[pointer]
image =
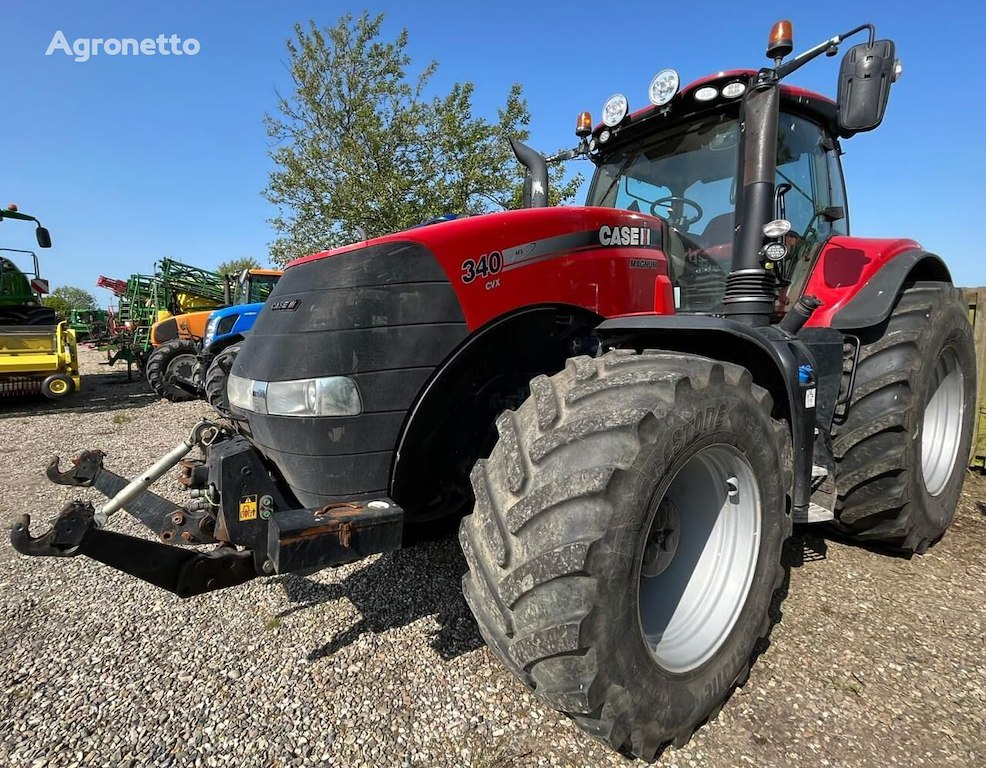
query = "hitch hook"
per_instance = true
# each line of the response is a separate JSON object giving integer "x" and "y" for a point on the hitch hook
{"x": 62, "y": 540}
{"x": 84, "y": 469}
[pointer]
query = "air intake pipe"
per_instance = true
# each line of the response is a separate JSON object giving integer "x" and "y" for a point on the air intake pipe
{"x": 749, "y": 295}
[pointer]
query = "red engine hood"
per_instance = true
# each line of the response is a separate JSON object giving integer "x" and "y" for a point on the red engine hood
{"x": 603, "y": 259}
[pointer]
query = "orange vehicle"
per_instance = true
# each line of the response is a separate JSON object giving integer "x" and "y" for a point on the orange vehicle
{"x": 177, "y": 339}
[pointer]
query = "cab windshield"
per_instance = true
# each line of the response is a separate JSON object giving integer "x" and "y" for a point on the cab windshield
{"x": 253, "y": 289}
{"x": 686, "y": 176}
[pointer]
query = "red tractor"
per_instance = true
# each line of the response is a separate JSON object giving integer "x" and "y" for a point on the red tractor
{"x": 635, "y": 400}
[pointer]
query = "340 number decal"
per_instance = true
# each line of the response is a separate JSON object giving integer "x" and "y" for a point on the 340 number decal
{"x": 486, "y": 265}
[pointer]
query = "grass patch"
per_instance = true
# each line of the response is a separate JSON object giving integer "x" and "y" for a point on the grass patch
{"x": 496, "y": 755}
{"x": 122, "y": 418}
{"x": 477, "y": 750}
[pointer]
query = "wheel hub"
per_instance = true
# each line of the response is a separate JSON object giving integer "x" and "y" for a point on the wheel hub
{"x": 698, "y": 560}
{"x": 182, "y": 367}
{"x": 662, "y": 543}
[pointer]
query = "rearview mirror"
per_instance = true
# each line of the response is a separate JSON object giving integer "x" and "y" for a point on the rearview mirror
{"x": 865, "y": 77}
{"x": 44, "y": 237}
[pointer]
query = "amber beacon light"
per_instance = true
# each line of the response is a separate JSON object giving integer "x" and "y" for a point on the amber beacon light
{"x": 781, "y": 41}
{"x": 583, "y": 126}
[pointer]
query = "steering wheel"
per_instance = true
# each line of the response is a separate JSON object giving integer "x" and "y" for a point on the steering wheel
{"x": 683, "y": 222}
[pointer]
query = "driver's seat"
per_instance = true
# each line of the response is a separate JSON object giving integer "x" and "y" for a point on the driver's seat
{"x": 719, "y": 230}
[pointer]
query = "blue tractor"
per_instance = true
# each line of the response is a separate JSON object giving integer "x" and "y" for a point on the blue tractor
{"x": 227, "y": 328}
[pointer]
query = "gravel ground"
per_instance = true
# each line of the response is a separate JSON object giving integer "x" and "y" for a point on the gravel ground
{"x": 878, "y": 661}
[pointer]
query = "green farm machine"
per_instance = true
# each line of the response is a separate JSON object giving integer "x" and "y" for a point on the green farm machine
{"x": 37, "y": 352}
{"x": 88, "y": 324}
{"x": 144, "y": 301}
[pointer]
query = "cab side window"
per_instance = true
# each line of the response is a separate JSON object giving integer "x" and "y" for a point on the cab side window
{"x": 808, "y": 163}
{"x": 803, "y": 167}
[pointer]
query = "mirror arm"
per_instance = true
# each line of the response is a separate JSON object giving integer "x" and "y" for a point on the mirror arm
{"x": 582, "y": 150}
{"x": 560, "y": 157}
{"x": 799, "y": 61}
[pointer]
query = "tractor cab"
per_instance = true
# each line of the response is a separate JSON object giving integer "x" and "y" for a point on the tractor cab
{"x": 742, "y": 169}
{"x": 253, "y": 286}
{"x": 681, "y": 164}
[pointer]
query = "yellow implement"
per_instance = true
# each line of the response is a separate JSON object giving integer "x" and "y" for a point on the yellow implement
{"x": 39, "y": 359}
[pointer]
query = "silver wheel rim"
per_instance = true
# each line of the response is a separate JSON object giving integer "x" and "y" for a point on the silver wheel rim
{"x": 182, "y": 366}
{"x": 941, "y": 431}
{"x": 699, "y": 558}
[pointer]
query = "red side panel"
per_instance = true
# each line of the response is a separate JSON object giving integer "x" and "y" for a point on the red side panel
{"x": 605, "y": 260}
{"x": 844, "y": 266}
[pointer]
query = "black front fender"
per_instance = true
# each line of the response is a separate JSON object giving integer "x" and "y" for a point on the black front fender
{"x": 773, "y": 357}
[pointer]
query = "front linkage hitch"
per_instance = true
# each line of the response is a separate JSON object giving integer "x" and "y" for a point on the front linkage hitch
{"x": 235, "y": 504}
{"x": 79, "y": 528}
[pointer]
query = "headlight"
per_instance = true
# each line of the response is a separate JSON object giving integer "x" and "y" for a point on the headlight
{"x": 776, "y": 228}
{"x": 706, "y": 93}
{"x": 774, "y": 251}
{"x": 210, "y": 331}
{"x": 615, "y": 109}
{"x": 327, "y": 396}
{"x": 663, "y": 87}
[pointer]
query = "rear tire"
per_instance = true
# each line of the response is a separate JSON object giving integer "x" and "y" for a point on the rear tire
{"x": 901, "y": 453}
{"x": 608, "y": 491}
{"x": 176, "y": 357}
{"x": 215, "y": 379}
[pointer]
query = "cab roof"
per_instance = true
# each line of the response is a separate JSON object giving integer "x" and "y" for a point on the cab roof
{"x": 684, "y": 106}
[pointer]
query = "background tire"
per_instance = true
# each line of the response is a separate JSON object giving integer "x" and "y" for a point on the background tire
{"x": 178, "y": 356}
{"x": 901, "y": 453}
{"x": 215, "y": 379}
{"x": 568, "y": 507}
{"x": 96, "y": 331}
{"x": 24, "y": 315}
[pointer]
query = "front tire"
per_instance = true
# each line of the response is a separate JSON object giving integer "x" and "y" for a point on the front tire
{"x": 626, "y": 541}
{"x": 901, "y": 452}
{"x": 215, "y": 379}
{"x": 178, "y": 357}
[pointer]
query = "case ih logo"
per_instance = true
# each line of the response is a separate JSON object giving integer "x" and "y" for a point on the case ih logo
{"x": 287, "y": 306}
{"x": 624, "y": 235}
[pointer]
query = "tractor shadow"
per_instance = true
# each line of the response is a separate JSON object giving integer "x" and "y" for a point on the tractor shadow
{"x": 804, "y": 546}
{"x": 401, "y": 587}
{"x": 393, "y": 591}
{"x": 106, "y": 390}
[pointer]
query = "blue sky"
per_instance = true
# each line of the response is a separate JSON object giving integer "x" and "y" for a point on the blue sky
{"x": 130, "y": 159}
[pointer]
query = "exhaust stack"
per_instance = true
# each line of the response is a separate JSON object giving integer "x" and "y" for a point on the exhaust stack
{"x": 536, "y": 183}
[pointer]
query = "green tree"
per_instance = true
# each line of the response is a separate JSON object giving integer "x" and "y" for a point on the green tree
{"x": 360, "y": 151}
{"x": 235, "y": 266}
{"x": 58, "y": 304}
{"x": 66, "y": 297}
